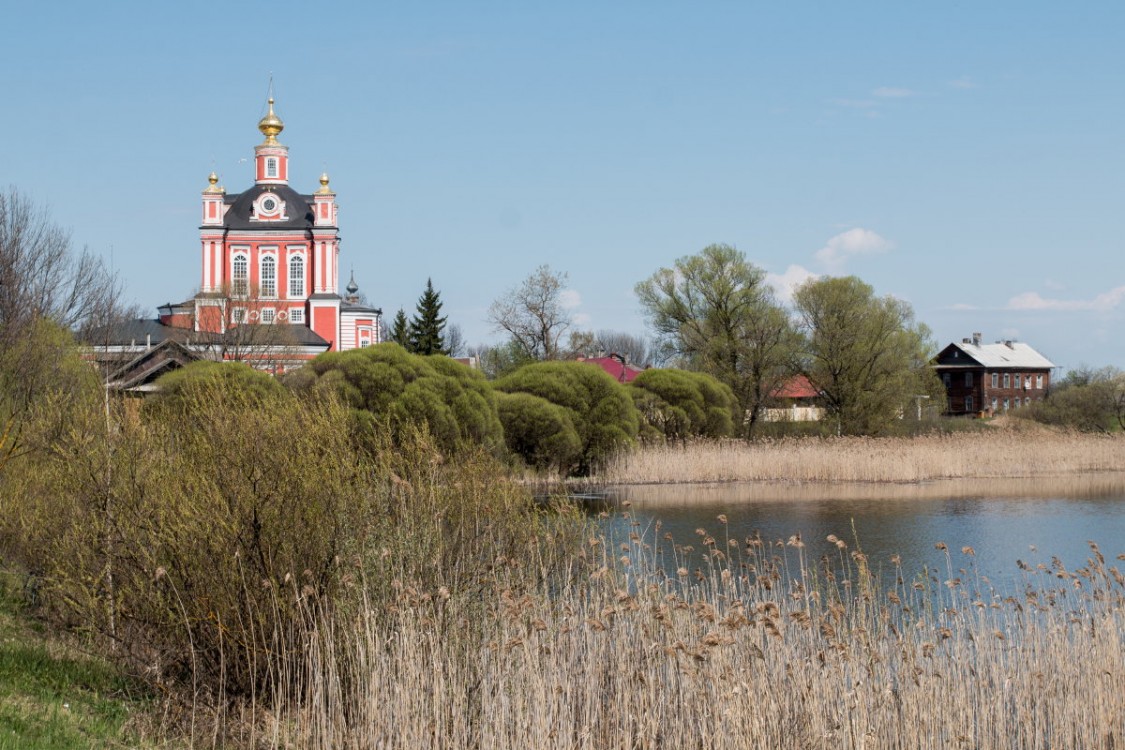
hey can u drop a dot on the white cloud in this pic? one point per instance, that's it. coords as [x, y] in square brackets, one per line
[569, 299]
[857, 241]
[1103, 302]
[785, 283]
[581, 319]
[890, 92]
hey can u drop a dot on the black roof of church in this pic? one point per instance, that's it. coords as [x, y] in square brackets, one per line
[144, 331]
[297, 208]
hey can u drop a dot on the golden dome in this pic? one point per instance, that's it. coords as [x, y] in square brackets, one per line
[214, 186]
[271, 125]
[324, 184]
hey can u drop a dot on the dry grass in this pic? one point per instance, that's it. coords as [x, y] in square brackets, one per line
[998, 454]
[766, 650]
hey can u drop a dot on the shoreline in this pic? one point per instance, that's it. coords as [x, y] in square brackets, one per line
[984, 456]
[1066, 486]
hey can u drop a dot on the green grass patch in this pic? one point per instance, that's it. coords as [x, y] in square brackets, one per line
[54, 696]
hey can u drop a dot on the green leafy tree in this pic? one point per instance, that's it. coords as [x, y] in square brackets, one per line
[714, 312]
[865, 354]
[400, 330]
[428, 325]
[599, 407]
[385, 384]
[678, 404]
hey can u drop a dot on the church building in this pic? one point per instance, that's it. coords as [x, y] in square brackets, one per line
[269, 279]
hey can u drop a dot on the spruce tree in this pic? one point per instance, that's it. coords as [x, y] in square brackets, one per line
[427, 325]
[400, 331]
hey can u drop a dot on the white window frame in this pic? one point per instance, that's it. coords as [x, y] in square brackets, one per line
[267, 289]
[1007, 380]
[1039, 382]
[240, 286]
[237, 315]
[267, 312]
[297, 315]
[300, 278]
[995, 380]
[272, 167]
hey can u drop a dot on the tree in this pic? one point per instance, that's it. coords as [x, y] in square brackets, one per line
[598, 406]
[427, 325]
[539, 432]
[455, 341]
[1087, 399]
[400, 330]
[500, 360]
[240, 331]
[386, 385]
[635, 349]
[533, 314]
[677, 405]
[48, 292]
[715, 313]
[865, 354]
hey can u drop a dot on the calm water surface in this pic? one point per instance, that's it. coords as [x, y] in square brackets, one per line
[1003, 521]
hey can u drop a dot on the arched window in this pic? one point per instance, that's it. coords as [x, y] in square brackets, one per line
[269, 276]
[239, 275]
[296, 276]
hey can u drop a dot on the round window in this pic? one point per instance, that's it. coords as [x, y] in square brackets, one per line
[269, 205]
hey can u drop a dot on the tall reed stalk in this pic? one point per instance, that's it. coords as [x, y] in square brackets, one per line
[760, 649]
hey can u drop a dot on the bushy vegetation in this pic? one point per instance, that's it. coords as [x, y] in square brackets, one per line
[678, 405]
[1087, 399]
[196, 534]
[541, 433]
[389, 388]
[599, 407]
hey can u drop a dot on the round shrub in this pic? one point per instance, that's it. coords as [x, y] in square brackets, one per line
[599, 407]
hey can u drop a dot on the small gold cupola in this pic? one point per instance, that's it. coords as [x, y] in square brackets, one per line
[271, 125]
[324, 189]
[214, 186]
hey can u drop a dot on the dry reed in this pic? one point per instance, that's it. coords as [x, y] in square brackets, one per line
[764, 649]
[999, 454]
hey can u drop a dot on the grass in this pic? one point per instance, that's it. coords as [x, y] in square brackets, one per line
[52, 695]
[1000, 453]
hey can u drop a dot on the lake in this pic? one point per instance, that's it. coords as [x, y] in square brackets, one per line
[1004, 521]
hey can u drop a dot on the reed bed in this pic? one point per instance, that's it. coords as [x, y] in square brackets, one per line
[999, 454]
[762, 648]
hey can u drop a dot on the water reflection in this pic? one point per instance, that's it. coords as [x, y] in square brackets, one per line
[1003, 521]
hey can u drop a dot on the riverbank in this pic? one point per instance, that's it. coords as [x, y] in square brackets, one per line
[1001, 453]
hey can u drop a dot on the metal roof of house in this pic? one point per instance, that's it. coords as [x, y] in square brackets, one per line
[1000, 354]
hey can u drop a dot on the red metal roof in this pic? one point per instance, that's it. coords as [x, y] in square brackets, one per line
[615, 366]
[797, 386]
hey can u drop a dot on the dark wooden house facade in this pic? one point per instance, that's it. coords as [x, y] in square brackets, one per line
[991, 379]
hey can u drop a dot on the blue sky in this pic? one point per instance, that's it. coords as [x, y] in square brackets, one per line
[966, 157]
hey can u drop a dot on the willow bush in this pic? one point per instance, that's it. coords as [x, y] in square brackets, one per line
[194, 532]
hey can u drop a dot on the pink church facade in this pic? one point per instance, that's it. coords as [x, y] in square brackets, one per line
[269, 260]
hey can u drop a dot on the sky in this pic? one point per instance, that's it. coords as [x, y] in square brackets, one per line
[965, 157]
